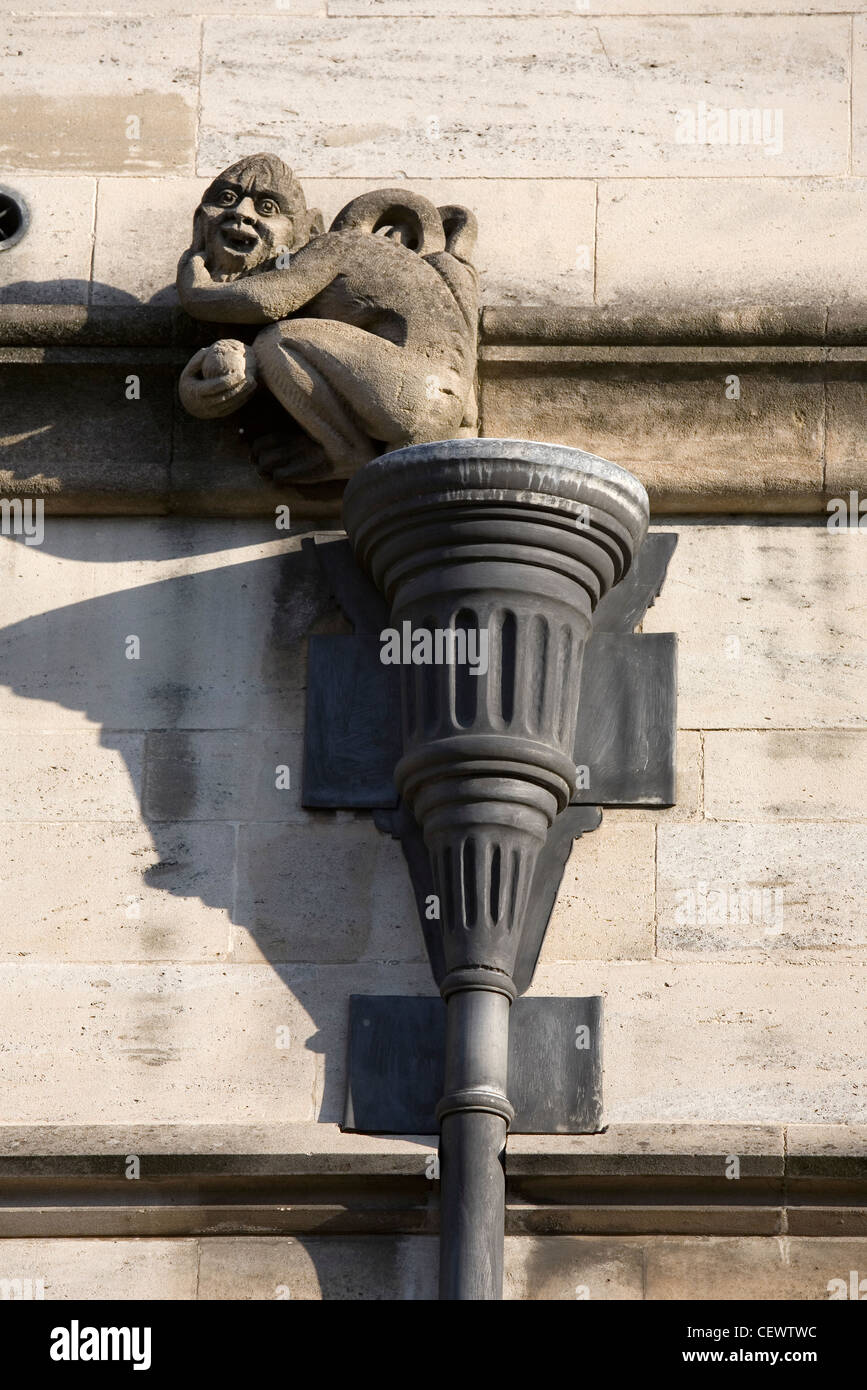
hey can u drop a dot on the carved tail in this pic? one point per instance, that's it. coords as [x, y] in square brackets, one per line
[461, 230]
[445, 237]
[415, 220]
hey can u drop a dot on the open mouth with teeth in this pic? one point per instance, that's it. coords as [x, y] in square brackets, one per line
[241, 240]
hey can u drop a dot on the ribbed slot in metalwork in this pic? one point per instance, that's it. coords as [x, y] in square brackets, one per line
[428, 680]
[410, 704]
[537, 655]
[469, 880]
[508, 650]
[466, 684]
[494, 885]
[564, 665]
[514, 871]
[448, 907]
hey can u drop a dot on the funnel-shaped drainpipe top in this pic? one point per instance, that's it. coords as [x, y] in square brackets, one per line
[493, 555]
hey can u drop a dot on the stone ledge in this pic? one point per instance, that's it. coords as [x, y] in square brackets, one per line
[647, 390]
[639, 1149]
[756, 325]
[290, 1148]
[70, 325]
[761, 325]
[305, 1178]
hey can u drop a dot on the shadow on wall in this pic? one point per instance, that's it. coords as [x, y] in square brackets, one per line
[71, 291]
[211, 707]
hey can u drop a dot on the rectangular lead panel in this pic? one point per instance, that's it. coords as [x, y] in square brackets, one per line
[396, 1060]
[626, 722]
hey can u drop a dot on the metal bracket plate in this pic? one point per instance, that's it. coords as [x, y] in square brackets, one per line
[627, 714]
[396, 1058]
[625, 738]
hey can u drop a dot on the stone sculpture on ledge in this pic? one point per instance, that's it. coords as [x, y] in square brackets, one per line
[364, 335]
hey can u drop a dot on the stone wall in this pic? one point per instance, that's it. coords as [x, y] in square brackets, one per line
[564, 124]
[374, 1267]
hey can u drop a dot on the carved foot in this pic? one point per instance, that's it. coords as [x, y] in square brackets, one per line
[289, 458]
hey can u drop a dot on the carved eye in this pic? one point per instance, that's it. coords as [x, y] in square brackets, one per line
[268, 207]
[226, 198]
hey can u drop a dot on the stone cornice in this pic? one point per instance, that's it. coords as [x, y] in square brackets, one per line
[760, 325]
[757, 409]
[757, 325]
[801, 1179]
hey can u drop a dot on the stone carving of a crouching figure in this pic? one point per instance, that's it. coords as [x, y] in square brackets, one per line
[368, 330]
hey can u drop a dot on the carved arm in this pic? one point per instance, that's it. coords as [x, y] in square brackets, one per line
[265, 297]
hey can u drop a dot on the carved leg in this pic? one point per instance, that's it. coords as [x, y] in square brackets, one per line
[290, 455]
[355, 393]
[306, 393]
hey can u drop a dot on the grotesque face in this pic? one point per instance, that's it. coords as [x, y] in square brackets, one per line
[251, 213]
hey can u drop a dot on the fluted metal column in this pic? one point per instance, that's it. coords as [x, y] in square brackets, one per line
[508, 546]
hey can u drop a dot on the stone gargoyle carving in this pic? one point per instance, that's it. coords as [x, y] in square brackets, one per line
[364, 336]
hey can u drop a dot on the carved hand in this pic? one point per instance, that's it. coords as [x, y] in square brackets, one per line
[218, 379]
[193, 275]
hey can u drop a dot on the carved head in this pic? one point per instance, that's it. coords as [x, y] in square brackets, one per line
[250, 213]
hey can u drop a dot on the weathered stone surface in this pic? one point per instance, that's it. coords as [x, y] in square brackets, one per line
[296, 1148]
[536, 8]
[570, 1267]
[795, 326]
[786, 775]
[777, 889]
[826, 1141]
[226, 8]
[362, 908]
[224, 775]
[835, 1154]
[74, 775]
[32, 576]
[798, 241]
[555, 217]
[230, 486]
[605, 906]
[71, 428]
[124, 892]
[772, 1268]
[98, 1269]
[769, 623]
[339, 1268]
[164, 1043]
[844, 440]
[404, 1268]
[859, 91]
[530, 91]
[51, 264]
[120, 326]
[650, 1149]
[673, 425]
[163, 584]
[144, 213]
[135, 70]
[284, 901]
[726, 1043]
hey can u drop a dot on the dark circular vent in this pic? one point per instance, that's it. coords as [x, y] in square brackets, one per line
[14, 218]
